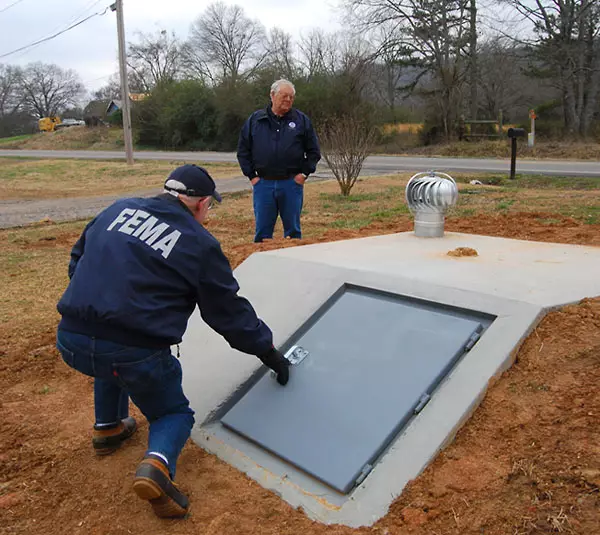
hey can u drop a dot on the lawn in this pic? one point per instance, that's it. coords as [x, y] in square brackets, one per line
[527, 462]
[54, 179]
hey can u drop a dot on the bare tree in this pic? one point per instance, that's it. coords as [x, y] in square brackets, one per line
[346, 144]
[48, 89]
[155, 58]
[111, 90]
[388, 67]
[432, 35]
[229, 43]
[319, 53]
[280, 55]
[567, 44]
[10, 99]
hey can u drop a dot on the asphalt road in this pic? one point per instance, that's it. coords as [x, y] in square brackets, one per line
[373, 164]
[16, 213]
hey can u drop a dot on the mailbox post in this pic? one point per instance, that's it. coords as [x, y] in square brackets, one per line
[513, 134]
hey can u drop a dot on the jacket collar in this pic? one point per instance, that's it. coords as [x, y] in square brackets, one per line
[268, 112]
[172, 199]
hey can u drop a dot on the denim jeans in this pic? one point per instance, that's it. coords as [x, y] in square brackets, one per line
[150, 377]
[277, 197]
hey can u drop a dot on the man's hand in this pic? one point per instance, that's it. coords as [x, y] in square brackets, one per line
[255, 180]
[278, 363]
[300, 179]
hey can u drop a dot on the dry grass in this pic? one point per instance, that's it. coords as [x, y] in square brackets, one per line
[551, 150]
[401, 128]
[72, 138]
[51, 179]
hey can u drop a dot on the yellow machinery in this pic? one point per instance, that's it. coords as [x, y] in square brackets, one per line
[48, 124]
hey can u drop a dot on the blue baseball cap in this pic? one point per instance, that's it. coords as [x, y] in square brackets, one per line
[193, 181]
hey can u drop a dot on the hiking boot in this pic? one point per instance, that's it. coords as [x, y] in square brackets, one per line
[107, 440]
[153, 483]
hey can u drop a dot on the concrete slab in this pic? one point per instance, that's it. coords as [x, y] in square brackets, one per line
[515, 281]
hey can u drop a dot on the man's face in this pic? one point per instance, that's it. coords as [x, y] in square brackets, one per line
[283, 100]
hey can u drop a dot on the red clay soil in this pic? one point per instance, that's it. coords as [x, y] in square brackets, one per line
[527, 462]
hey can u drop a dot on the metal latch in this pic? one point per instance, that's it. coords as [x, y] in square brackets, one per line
[296, 354]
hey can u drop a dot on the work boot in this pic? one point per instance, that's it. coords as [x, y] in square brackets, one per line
[107, 440]
[153, 483]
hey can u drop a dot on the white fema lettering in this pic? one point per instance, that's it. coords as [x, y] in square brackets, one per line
[148, 232]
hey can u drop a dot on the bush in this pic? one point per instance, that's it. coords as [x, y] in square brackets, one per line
[177, 115]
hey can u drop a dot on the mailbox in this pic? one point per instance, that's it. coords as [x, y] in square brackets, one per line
[516, 132]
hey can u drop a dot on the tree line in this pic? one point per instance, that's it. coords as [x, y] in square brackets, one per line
[433, 61]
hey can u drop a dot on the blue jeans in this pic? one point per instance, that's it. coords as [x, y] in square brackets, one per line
[273, 198]
[150, 377]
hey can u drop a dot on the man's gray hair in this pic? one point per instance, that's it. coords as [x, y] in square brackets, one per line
[281, 82]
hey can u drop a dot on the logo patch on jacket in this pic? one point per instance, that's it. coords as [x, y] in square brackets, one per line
[292, 124]
[146, 228]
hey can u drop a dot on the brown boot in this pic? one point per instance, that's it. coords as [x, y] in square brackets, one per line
[153, 483]
[107, 440]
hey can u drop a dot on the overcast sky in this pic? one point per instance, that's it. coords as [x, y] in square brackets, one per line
[91, 48]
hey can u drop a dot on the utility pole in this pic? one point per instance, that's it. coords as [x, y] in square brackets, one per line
[473, 58]
[118, 7]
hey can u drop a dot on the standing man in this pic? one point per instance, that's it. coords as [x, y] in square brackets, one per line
[137, 272]
[277, 150]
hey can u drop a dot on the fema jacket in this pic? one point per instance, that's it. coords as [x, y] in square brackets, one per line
[138, 271]
[274, 147]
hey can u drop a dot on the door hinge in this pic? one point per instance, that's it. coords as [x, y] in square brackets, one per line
[472, 340]
[363, 473]
[423, 400]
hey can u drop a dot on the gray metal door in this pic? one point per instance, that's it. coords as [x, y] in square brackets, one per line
[372, 361]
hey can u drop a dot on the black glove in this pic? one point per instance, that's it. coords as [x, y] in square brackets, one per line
[278, 363]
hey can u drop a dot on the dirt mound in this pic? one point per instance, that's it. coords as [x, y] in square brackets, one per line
[73, 138]
[462, 251]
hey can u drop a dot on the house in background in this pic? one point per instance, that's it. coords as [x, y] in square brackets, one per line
[95, 113]
[113, 106]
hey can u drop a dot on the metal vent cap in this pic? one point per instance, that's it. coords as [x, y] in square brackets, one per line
[429, 195]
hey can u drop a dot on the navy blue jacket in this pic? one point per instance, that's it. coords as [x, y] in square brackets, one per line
[138, 271]
[274, 147]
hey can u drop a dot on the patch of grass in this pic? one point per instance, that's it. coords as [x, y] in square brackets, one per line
[549, 182]
[12, 139]
[353, 198]
[234, 195]
[351, 223]
[544, 148]
[549, 221]
[390, 212]
[587, 214]
[505, 204]
[463, 212]
[471, 191]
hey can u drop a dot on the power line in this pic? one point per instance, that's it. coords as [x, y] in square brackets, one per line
[58, 27]
[10, 5]
[90, 5]
[100, 13]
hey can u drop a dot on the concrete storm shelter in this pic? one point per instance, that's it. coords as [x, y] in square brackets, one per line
[393, 344]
